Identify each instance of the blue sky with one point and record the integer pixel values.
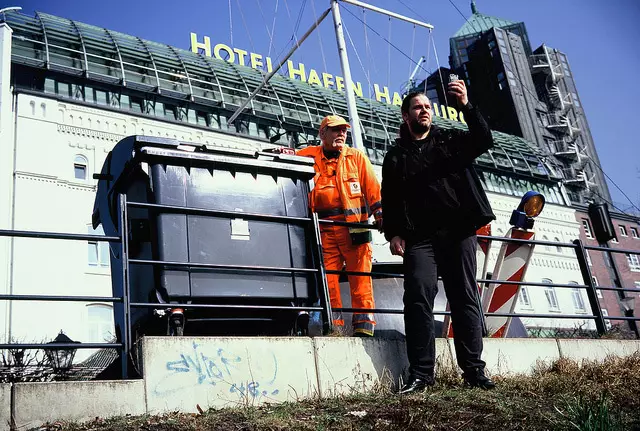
(600, 39)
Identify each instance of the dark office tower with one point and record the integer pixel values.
(570, 141)
(492, 54)
(529, 94)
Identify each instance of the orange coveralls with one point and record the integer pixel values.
(343, 187)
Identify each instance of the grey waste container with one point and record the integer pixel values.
(176, 175)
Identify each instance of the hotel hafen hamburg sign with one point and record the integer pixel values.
(301, 72)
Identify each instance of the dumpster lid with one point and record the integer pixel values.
(133, 150)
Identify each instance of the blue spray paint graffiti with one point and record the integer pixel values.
(221, 367)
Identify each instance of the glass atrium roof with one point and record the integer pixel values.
(73, 48)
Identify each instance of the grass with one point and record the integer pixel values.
(563, 396)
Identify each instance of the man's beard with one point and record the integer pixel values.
(417, 128)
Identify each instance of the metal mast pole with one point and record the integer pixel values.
(356, 134)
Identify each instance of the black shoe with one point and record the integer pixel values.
(476, 379)
(416, 384)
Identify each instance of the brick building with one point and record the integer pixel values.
(627, 229)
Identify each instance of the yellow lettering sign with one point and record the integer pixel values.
(231, 57)
(197, 46)
(256, 61)
(314, 78)
(241, 54)
(325, 79)
(381, 94)
(293, 72)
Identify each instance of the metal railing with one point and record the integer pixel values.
(123, 304)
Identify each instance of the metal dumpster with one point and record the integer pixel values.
(187, 242)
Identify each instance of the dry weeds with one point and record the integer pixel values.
(563, 396)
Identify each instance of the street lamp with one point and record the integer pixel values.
(61, 358)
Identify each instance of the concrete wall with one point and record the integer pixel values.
(185, 372)
(182, 373)
(5, 406)
(37, 403)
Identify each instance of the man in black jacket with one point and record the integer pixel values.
(433, 204)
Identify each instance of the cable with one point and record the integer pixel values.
(428, 58)
(324, 61)
(444, 92)
(408, 7)
(269, 33)
(383, 38)
(273, 25)
(231, 24)
(413, 42)
(244, 23)
(612, 182)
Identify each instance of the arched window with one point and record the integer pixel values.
(550, 294)
(558, 248)
(578, 301)
(80, 167)
(100, 323)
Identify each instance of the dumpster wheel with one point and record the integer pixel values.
(301, 325)
(176, 322)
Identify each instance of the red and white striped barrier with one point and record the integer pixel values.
(511, 265)
(482, 259)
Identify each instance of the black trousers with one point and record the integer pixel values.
(454, 259)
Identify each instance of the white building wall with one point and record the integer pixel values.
(6, 169)
(50, 133)
(556, 223)
(49, 136)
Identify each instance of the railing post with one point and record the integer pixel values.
(323, 288)
(126, 299)
(592, 292)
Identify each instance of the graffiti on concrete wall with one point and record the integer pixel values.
(229, 372)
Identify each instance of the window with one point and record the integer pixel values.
(97, 251)
(634, 232)
(587, 228)
(623, 230)
(595, 283)
(80, 168)
(558, 248)
(634, 262)
(607, 322)
(636, 285)
(588, 258)
(550, 294)
(100, 323)
(524, 297)
(576, 294)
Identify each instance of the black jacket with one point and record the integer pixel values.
(431, 186)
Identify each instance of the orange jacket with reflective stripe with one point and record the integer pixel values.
(357, 184)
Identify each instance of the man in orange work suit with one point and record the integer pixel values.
(346, 189)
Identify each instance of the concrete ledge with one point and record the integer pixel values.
(597, 350)
(512, 356)
(5, 406)
(37, 403)
(348, 365)
(183, 372)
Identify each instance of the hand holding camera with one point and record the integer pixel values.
(458, 89)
